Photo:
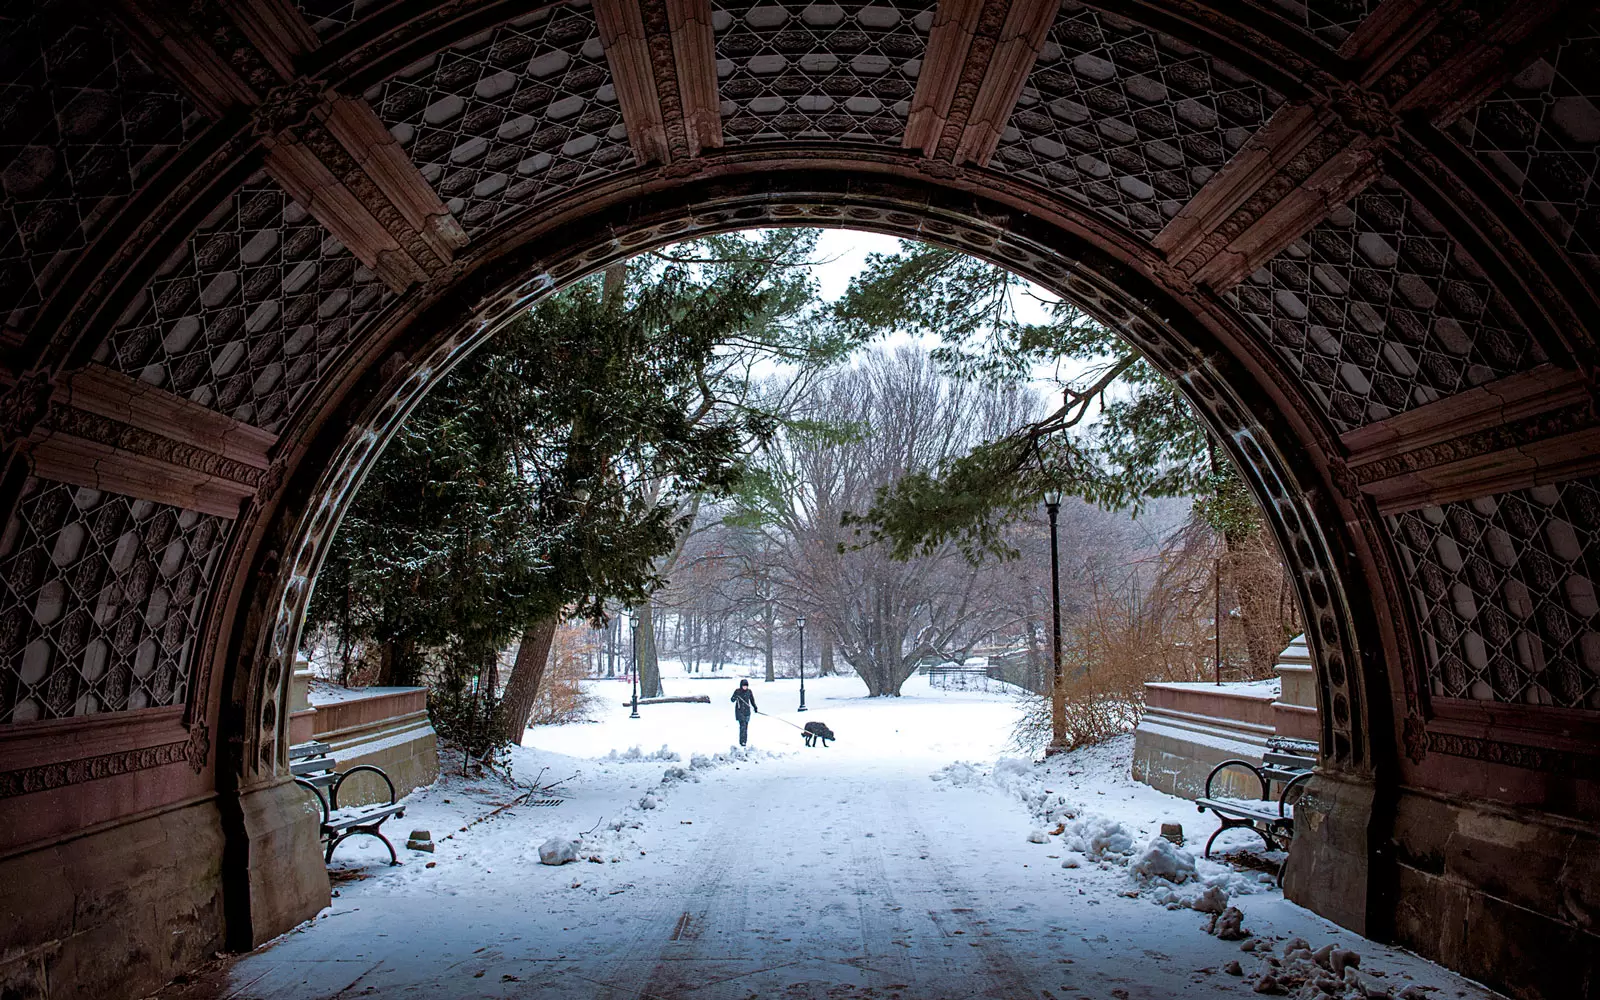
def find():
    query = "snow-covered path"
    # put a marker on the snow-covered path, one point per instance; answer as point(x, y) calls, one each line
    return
point(838, 873)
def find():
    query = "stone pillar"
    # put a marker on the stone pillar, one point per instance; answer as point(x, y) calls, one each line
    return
point(302, 714)
point(1330, 864)
point(273, 869)
point(1295, 711)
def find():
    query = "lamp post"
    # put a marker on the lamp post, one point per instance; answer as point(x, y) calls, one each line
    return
point(801, 622)
point(1058, 692)
point(633, 624)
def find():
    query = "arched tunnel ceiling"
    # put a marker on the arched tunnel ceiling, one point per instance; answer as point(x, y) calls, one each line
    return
point(216, 216)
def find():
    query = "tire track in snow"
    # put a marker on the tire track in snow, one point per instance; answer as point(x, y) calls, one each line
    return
point(663, 924)
point(683, 923)
point(885, 953)
point(1010, 980)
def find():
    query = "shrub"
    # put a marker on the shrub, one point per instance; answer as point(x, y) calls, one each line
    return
point(562, 698)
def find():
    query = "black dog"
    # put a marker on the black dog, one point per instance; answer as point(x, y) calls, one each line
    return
point(817, 732)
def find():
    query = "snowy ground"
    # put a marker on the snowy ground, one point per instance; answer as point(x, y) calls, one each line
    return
point(902, 862)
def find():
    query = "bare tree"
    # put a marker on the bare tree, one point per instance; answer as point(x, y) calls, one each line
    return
point(863, 428)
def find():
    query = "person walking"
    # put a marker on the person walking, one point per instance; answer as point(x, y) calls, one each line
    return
point(744, 702)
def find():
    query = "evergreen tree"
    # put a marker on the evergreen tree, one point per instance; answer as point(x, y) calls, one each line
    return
point(1122, 435)
point(552, 470)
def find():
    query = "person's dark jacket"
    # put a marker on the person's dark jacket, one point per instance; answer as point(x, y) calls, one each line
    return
point(744, 702)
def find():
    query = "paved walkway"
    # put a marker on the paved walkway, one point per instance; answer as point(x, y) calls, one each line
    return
point(793, 879)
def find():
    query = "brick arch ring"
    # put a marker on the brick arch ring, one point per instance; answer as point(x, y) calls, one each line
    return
point(1254, 409)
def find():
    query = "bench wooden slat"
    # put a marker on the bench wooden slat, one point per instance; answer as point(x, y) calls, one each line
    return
point(1267, 811)
point(1288, 761)
point(363, 818)
point(301, 768)
point(311, 749)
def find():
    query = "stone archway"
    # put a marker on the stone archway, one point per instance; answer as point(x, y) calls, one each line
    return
point(1183, 345)
point(1320, 222)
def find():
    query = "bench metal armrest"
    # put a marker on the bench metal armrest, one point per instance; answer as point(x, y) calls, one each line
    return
point(1236, 763)
point(1283, 796)
point(321, 802)
point(334, 796)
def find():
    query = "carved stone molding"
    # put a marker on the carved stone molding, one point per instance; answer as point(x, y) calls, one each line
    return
point(1425, 58)
point(1523, 430)
point(298, 160)
point(1010, 60)
point(23, 404)
point(331, 153)
point(955, 23)
point(107, 431)
point(63, 419)
point(1550, 761)
point(285, 107)
point(1415, 738)
point(44, 777)
point(1302, 163)
point(979, 55)
point(198, 748)
point(695, 60)
point(628, 51)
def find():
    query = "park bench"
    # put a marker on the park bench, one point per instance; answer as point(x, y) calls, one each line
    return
point(1288, 763)
point(313, 768)
point(944, 678)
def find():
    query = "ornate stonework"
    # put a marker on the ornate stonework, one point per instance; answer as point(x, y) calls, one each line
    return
point(1542, 759)
point(526, 113)
point(1504, 591)
point(809, 71)
point(1127, 122)
point(45, 777)
point(101, 597)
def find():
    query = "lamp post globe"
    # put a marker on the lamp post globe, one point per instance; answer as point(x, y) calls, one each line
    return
point(800, 622)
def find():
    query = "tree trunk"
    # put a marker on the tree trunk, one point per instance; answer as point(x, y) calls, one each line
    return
point(826, 668)
point(1040, 668)
point(522, 690)
point(396, 663)
point(770, 616)
point(649, 667)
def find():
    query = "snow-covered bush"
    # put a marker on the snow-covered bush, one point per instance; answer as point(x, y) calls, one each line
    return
point(1097, 836)
point(635, 754)
point(1162, 859)
point(959, 775)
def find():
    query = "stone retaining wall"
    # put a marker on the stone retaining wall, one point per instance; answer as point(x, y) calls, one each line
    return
point(1188, 729)
point(384, 727)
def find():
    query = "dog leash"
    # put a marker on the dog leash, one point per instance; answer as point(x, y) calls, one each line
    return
point(782, 720)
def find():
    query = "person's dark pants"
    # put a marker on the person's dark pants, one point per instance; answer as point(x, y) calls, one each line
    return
point(744, 729)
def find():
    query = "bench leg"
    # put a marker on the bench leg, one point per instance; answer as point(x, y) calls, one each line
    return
point(1237, 824)
point(371, 831)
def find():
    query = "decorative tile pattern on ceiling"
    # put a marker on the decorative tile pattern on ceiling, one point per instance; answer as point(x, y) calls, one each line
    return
point(246, 315)
point(511, 117)
point(1379, 311)
point(84, 123)
point(818, 71)
point(1330, 20)
point(1541, 136)
point(1125, 121)
point(1505, 594)
point(101, 597)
